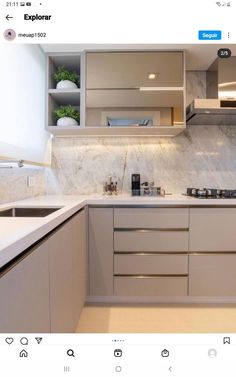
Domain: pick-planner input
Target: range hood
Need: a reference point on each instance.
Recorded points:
(219, 106)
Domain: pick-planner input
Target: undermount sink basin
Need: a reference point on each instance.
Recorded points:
(28, 212)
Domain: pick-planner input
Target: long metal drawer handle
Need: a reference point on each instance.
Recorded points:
(148, 253)
(150, 230)
(151, 276)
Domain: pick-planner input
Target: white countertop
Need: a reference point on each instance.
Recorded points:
(19, 233)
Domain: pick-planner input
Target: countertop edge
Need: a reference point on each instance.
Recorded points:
(13, 245)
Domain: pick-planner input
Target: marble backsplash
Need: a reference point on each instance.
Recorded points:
(195, 85)
(13, 184)
(201, 156)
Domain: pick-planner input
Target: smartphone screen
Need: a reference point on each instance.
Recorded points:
(117, 188)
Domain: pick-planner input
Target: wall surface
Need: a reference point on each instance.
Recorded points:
(201, 156)
(13, 184)
(195, 85)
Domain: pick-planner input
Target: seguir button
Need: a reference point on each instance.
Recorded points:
(209, 35)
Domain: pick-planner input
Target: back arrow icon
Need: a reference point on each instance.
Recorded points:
(8, 17)
(170, 369)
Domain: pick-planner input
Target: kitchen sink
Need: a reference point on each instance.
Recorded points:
(28, 212)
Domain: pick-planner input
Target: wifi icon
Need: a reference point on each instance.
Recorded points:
(38, 340)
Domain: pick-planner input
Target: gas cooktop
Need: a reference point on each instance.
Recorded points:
(206, 193)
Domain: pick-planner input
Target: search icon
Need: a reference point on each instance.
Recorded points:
(70, 352)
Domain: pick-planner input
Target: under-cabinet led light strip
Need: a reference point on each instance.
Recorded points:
(9, 164)
(161, 88)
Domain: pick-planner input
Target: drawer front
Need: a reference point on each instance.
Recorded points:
(151, 241)
(212, 229)
(151, 218)
(150, 264)
(158, 286)
(212, 275)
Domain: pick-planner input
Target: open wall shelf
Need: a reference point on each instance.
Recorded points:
(63, 97)
(171, 102)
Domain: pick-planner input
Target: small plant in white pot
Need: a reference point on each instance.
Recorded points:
(66, 79)
(66, 116)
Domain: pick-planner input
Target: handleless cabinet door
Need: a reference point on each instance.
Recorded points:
(101, 251)
(67, 266)
(112, 70)
(80, 263)
(212, 229)
(212, 275)
(24, 294)
(61, 279)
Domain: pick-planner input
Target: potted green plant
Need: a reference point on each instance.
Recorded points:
(66, 116)
(66, 79)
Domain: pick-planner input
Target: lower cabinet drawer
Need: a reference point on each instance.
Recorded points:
(150, 286)
(150, 264)
(151, 218)
(151, 241)
(212, 275)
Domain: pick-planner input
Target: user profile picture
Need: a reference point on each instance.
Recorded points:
(9, 34)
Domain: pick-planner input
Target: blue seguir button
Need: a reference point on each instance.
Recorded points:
(207, 35)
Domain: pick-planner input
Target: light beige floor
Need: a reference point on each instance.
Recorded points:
(154, 319)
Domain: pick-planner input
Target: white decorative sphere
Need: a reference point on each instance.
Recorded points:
(67, 122)
(66, 84)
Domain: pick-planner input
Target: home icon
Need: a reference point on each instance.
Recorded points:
(23, 353)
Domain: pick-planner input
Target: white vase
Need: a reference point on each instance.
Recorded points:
(67, 122)
(66, 84)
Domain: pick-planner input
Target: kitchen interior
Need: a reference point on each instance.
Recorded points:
(118, 188)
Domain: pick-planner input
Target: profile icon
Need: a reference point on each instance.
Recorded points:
(9, 34)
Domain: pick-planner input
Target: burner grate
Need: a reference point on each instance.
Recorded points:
(208, 193)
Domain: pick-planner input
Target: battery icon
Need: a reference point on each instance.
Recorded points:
(28, 4)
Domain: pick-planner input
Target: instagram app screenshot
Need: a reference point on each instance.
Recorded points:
(117, 188)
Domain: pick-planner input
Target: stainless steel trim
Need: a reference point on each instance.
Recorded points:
(136, 205)
(151, 276)
(143, 253)
(150, 230)
(151, 205)
(214, 205)
(212, 253)
(100, 206)
(189, 206)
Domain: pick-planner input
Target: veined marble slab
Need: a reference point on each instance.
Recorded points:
(13, 184)
(202, 156)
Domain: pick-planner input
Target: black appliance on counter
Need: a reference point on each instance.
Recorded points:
(135, 184)
(206, 193)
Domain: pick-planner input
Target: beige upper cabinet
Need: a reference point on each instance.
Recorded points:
(131, 70)
(135, 92)
(121, 93)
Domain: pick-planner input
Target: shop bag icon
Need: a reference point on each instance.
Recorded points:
(165, 353)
